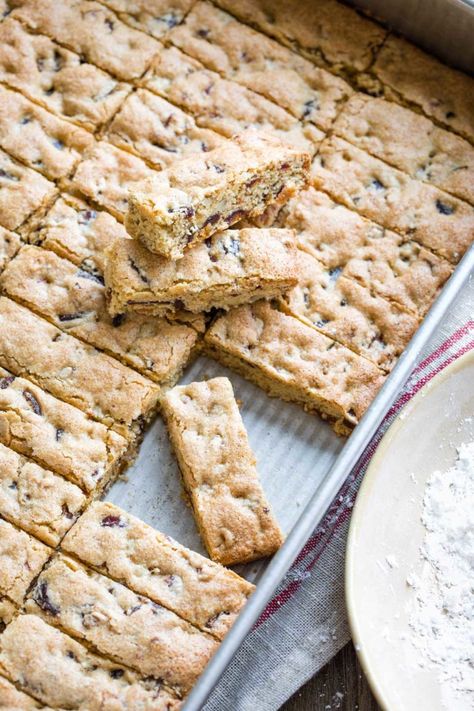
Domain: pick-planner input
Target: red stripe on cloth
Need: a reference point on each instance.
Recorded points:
(327, 532)
(456, 336)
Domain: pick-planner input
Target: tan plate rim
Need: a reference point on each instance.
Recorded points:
(364, 492)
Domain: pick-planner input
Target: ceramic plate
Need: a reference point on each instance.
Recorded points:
(386, 533)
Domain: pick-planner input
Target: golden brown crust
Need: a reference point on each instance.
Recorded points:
(203, 194)
(349, 313)
(223, 105)
(393, 266)
(158, 131)
(39, 139)
(291, 360)
(219, 474)
(57, 435)
(22, 192)
(432, 217)
(408, 75)
(35, 499)
(241, 54)
(92, 31)
(74, 301)
(327, 32)
(21, 559)
(230, 268)
(56, 78)
(128, 550)
(410, 142)
(124, 626)
(63, 673)
(106, 174)
(77, 231)
(74, 371)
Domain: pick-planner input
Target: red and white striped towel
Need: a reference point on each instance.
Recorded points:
(305, 624)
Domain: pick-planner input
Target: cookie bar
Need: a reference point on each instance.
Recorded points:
(11, 698)
(349, 313)
(202, 592)
(237, 52)
(78, 232)
(222, 105)
(219, 474)
(410, 142)
(7, 613)
(295, 362)
(395, 267)
(327, 32)
(22, 191)
(21, 558)
(73, 371)
(74, 301)
(230, 268)
(107, 173)
(58, 436)
(406, 74)
(35, 499)
(155, 17)
(124, 626)
(39, 139)
(57, 78)
(92, 31)
(157, 131)
(421, 212)
(63, 673)
(10, 243)
(198, 195)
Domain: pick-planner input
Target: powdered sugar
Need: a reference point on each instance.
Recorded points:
(443, 618)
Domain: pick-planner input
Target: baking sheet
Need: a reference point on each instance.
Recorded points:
(294, 451)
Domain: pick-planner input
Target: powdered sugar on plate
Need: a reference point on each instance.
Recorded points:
(442, 621)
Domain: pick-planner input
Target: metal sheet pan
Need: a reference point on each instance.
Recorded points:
(293, 449)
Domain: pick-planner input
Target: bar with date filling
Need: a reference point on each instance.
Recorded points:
(35, 499)
(406, 74)
(73, 371)
(414, 209)
(22, 192)
(219, 472)
(194, 198)
(124, 626)
(58, 436)
(237, 52)
(158, 131)
(78, 232)
(63, 673)
(222, 105)
(74, 301)
(39, 139)
(200, 591)
(106, 174)
(393, 266)
(94, 32)
(57, 79)
(295, 362)
(410, 142)
(349, 313)
(329, 33)
(230, 268)
(21, 559)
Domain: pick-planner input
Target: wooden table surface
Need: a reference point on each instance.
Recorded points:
(340, 686)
